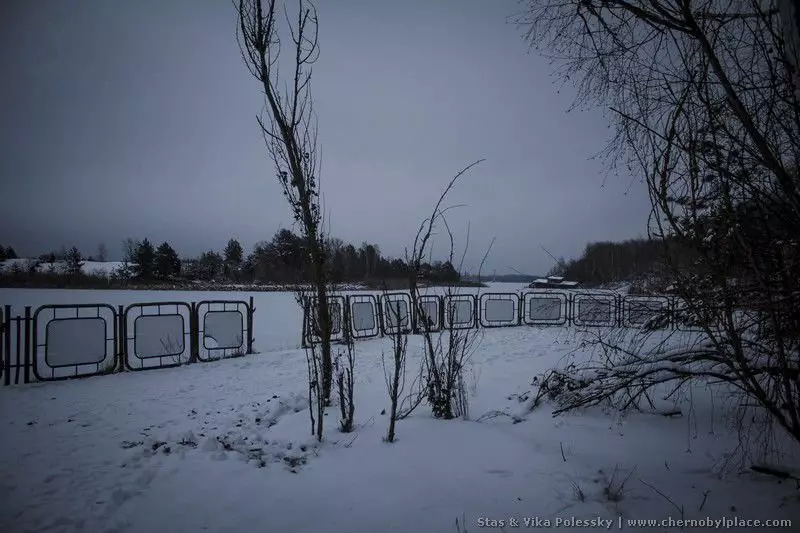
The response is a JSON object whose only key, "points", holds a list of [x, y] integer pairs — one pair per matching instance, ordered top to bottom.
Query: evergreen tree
{"points": [[233, 252], [144, 256], [74, 259], [166, 262], [209, 265]]}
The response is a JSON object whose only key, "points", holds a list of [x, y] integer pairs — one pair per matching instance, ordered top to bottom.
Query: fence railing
{"points": [[370, 316], [58, 342]]}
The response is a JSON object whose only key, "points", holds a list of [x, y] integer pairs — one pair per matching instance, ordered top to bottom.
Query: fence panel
{"points": [[335, 308], [545, 308], [429, 309], [594, 309], [499, 310], [460, 311], [640, 311], [395, 312], [364, 318], [684, 318], [223, 329], [157, 335], [73, 341], [2, 343], [6, 349]]}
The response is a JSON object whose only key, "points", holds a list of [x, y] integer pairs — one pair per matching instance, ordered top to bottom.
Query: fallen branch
{"points": [[495, 414], [772, 471]]}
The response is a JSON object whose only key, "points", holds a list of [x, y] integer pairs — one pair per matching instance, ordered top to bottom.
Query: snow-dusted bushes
{"points": [[717, 146], [447, 351], [401, 404]]}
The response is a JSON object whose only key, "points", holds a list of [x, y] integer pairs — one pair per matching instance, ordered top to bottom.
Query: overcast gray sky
{"points": [[137, 119]]}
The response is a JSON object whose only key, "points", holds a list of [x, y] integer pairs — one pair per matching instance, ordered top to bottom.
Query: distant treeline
{"points": [[7, 253], [285, 259], [282, 260], [640, 261], [504, 278]]}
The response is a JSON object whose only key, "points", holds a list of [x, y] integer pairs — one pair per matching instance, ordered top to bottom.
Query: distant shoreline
{"points": [[222, 288]]}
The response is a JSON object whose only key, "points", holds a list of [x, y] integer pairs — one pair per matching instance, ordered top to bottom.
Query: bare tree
{"points": [[705, 108], [289, 128], [129, 247], [102, 252], [447, 352], [343, 363], [344, 366], [395, 375], [395, 379], [316, 394]]}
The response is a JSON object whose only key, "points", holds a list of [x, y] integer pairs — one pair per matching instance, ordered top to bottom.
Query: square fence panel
{"points": [[543, 308], [598, 309], [499, 310], [459, 311], [640, 311], [396, 312], [428, 312], [363, 316], [311, 318], [684, 318], [364, 320], [222, 329], [158, 335], [74, 341]]}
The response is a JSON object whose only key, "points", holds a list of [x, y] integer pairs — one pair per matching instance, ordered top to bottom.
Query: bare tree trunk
{"points": [[289, 129], [717, 139], [445, 358]]}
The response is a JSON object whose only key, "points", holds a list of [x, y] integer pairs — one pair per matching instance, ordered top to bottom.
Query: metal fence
{"points": [[368, 316], [58, 342]]}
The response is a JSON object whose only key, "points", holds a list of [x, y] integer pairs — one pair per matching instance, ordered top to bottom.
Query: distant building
{"points": [[552, 282]]}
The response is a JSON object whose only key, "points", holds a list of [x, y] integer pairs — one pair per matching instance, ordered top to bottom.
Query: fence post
{"points": [[379, 307], [570, 309], [250, 311], [413, 315], [346, 320], [18, 321], [304, 328], [194, 334], [122, 338], [2, 341], [27, 345], [7, 347]]}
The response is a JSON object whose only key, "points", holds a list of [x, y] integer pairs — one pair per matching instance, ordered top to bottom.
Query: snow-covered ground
{"points": [[96, 268], [102, 268], [226, 447]]}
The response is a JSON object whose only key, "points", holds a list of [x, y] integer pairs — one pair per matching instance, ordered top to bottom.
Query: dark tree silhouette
{"points": [[144, 258], [166, 262]]}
